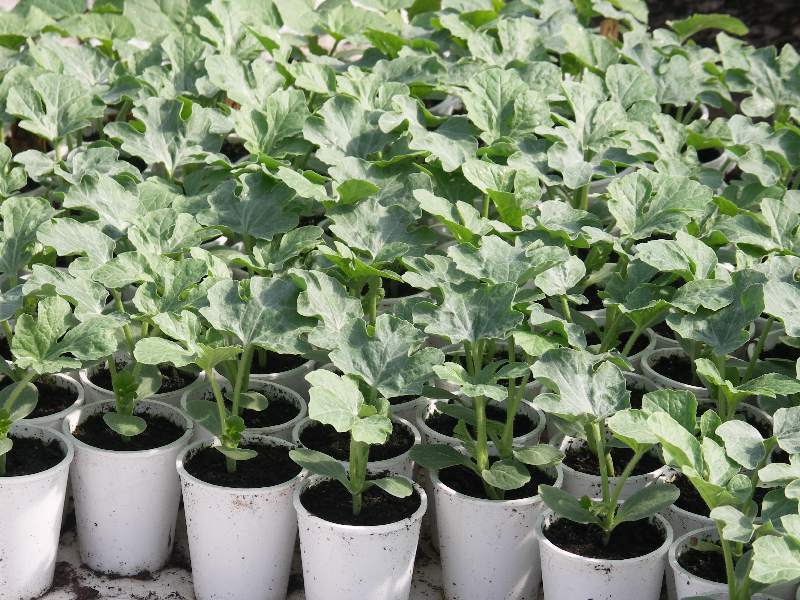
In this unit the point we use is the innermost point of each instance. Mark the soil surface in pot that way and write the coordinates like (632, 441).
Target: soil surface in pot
(52, 397)
(307, 220)
(676, 367)
(31, 455)
(706, 155)
(172, 379)
(398, 289)
(664, 330)
(595, 301)
(637, 393)
(397, 400)
(234, 151)
(782, 352)
(640, 344)
(324, 438)
(628, 540)
(467, 482)
(708, 565)
(271, 467)
(330, 501)
(445, 424)
(5, 349)
(278, 412)
(581, 458)
(689, 500)
(159, 432)
(272, 362)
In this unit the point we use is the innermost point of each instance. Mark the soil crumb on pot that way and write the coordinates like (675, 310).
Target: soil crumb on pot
(324, 438)
(271, 467)
(330, 501)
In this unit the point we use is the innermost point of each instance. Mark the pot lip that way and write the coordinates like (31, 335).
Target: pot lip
(639, 378)
(672, 555)
(260, 384)
(57, 416)
(423, 427)
(306, 366)
(83, 374)
(359, 529)
(75, 415)
(66, 442)
(237, 491)
(516, 503)
(662, 549)
(650, 372)
(581, 475)
(375, 465)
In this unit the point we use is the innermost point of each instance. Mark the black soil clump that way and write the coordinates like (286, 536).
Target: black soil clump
(709, 565)
(324, 438)
(628, 540)
(275, 363)
(329, 500)
(271, 467)
(467, 482)
(31, 455)
(159, 432)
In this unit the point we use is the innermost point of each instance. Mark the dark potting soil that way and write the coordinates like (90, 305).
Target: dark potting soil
(445, 424)
(773, 22)
(640, 344)
(689, 500)
(628, 540)
(706, 155)
(172, 379)
(234, 151)
(637, 393)
(278, 412)
(306, 220)
(664, 330)
(276, 363)
(330, 501)
(676, 367)
(782, 352)
(401, 399)
(159, 432)
(5, 349)
(595, 302)
(465, 481)
(52, 398)
(31, 455)
(581, 458)
(271, 467)
(709, 565)
(398, 289)
(324, 438)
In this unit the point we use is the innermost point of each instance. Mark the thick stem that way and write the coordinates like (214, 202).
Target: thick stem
(126, 329)
(727, 554)
(359, 456)
(611, 507)
(600, 448)
(371, 299)
(481, 437)
(468, 358)
(565, 309)
(230, 464)
(631, 341)
(511, 412)
(762, 340)
(242, 377)
(722, 403)
(485, 207)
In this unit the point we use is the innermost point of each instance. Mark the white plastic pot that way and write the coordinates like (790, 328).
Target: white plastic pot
(397, 465)
(54, 420)
(294, 379)
(95, 393)
(408, 410)
(431, 436)
(650, 358)
(488, 548)
(584, 484)
(126, 503)
(568, 576)
(270, 390)
(348, 562)
(662, 341)
(687, 584)
(241, 540)
(30, 520)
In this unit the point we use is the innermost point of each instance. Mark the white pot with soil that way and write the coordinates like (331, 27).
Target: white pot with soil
(96, 382)
(437, 427)
(665, 366)
(392, 457)
(698, 573)
(488, 547)
(407, 407)
(287, 370)
(32, 496)
(369, 557)
(582, 472)
(575, 564)
(59, 394)
(241, 526)
(285, 409)
(126, 492)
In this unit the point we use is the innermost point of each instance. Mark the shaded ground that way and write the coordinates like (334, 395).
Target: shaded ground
(771, 22)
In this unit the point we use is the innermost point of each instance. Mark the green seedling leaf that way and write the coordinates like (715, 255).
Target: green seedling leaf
(125, 425)
(321, 464)
(237, 454)
(647, 502)
(566, 505)
(506, 474)
(253, 401)
(399, 487)
(435, 457)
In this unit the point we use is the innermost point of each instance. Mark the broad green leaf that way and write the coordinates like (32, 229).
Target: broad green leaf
(436, 457)
(69, 237)
(743, 443)
(540, 455)
(22, 216)
(686, 28)
(274, 128)
(681, 405)
(399, 487)
(320, 464)
(559, 279)
(566, 505)
(630, 426)
(786, 429)
(737, 527)
(647, 502)
(506, 474)
(205, 413)
(156, 351)
(775, 559)
(116, 207)
(237, 453)
(21, 406)
(334, 399)
(681, 446)
(125, 425)
(495, 261)
(374, 429)
(326, 299)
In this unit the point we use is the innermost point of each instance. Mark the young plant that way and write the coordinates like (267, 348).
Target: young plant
(590, 394)
(336, 400)
(51, 341)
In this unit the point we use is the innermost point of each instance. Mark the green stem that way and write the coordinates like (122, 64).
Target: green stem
(511, 413)
(126, 329)
(485, 207)
(580, 198)
(565, 309)
(600, 448)
(7, 332)
(242, 377)
(371, 299)
(111, 365)
(230, 464)
(482, 440)
(330, 53)
(692, 112)
(631, 341)
(730, 573)
(722, 404)
(359, 456)
(762, 340)
(611, 507)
